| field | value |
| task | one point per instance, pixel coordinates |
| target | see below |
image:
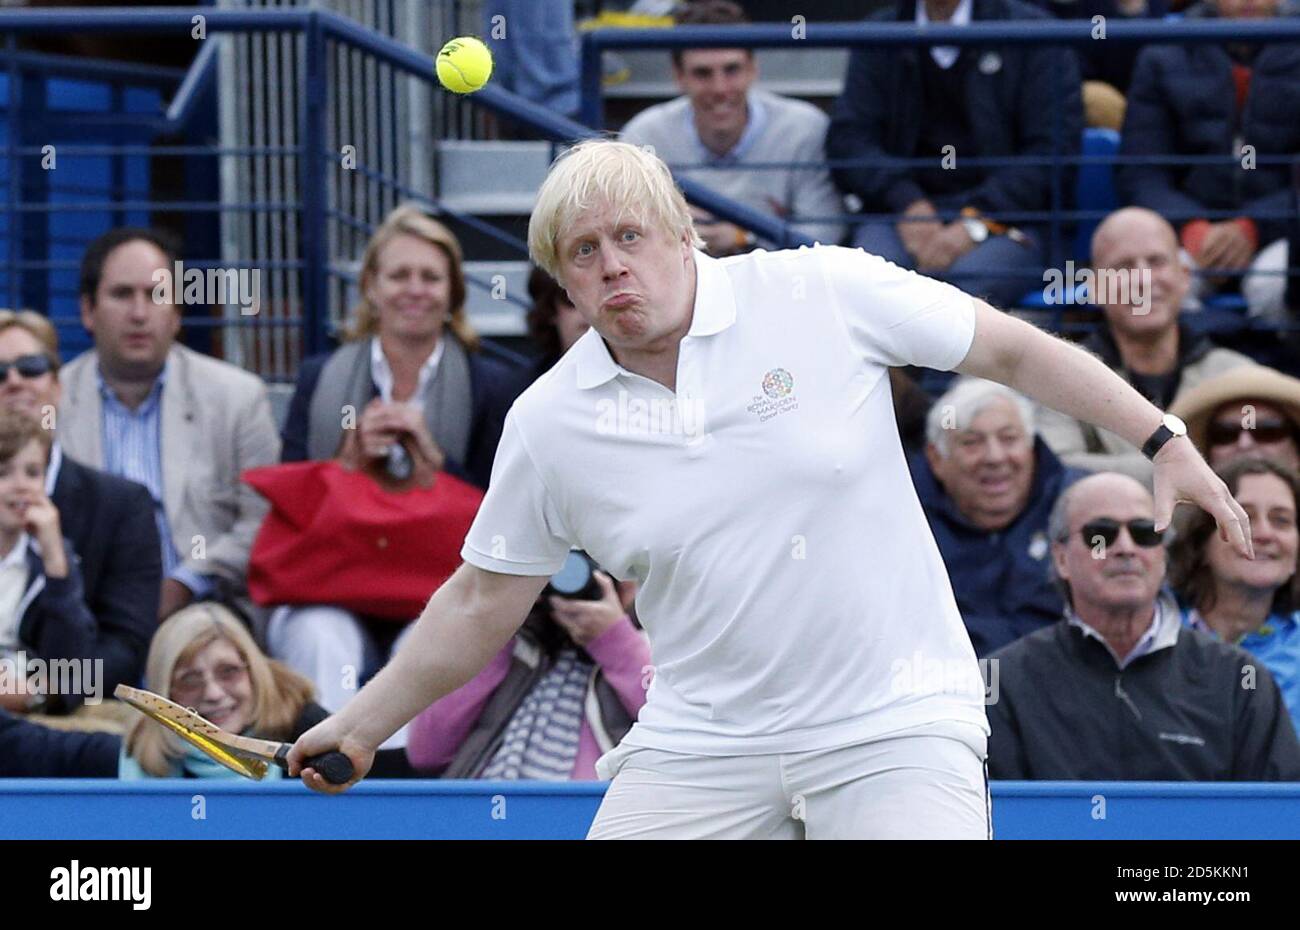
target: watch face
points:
(1175, 425)
(976, 230)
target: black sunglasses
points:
(1142, 532)
(1220, 434)
(29, 366)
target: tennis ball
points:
(464, 65)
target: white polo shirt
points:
(793, 593)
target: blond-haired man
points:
(724, 434)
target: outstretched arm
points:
(466, 622)
(1066, 378)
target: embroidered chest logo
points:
(778, 395)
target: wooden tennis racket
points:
(243, 754)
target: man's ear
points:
(933, 457)
(1058, 560)
(87, 315)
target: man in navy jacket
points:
(952, 105)
(1209, 100)
(987, 486)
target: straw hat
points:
(1245, 383)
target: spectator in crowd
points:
(109, 520)
(534, 51)
(202, 657)
(182, 424)
(723, 124)
(1239, 102)
(950, 219)
(1251, 411)
(554, 324)
(1142, 286)
(1120, 689)
(1107, 66)
(987, 485)
(43, 613)
(562, 692)
(1250, 603)
(412, 368)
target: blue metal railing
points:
(886, 34)
(323, 33)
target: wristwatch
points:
(1170, 426)
(976, 229)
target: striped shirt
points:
(132, 441)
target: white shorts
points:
(913, 786)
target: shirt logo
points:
(777, 383)
(778, 395)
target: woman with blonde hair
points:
(202, 657)
(413, 378)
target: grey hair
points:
(1058, 531)
(963, 402)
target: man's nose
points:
(611, 263)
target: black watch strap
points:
(1157, 441)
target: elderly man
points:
(1119, 688)
(182, 424)
(1249, 411)
(987, 485)
(1140, 285)
(724, 435)
(723, 125)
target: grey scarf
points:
(345, 381)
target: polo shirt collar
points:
(714, 311)
(1166, 621)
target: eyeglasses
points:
(1265, 431)
(28, 366)
(1142, 532)
(191, 684)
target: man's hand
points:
(1181, 476)
(42, 521)
(587, 620)
(945, 247)
(14, 698)
(915, 234)
(1226, 246)
(173, 596)
(327, 736)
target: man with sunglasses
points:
(1119, 688)
(1252, 411)
(106, 518)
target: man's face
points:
(1138, 246)
(717, 81)
(989, 466)
(132, 331)
(1247, 9)
(1115, 576)
(1251, 428)
(1271, 506)
(629, 278)
(30, 396)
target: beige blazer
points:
(216, 422)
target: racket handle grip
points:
(334, 767)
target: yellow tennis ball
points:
(464, 65)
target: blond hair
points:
(38, 326)
(410, 220)
(603, 171)
(279, 694)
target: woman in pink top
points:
(561, 693)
